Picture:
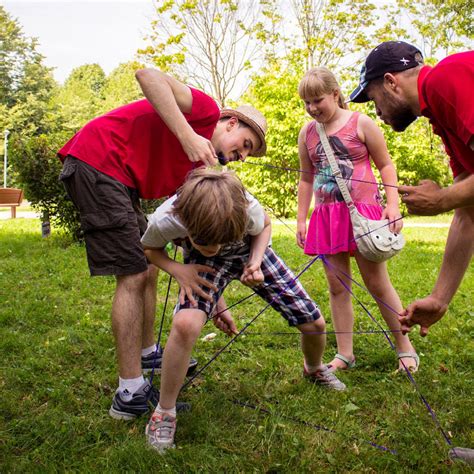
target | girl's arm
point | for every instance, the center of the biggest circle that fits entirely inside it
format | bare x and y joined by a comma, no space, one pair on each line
372,136
305,187
171,98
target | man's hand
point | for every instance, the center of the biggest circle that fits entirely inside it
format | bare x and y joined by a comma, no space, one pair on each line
424,312
252,274
198,149
187,275
301,234
426,199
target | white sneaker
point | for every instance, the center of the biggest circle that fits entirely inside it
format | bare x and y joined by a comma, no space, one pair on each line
160,431
325,377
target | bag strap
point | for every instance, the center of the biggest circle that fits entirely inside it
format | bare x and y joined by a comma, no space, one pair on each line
336,171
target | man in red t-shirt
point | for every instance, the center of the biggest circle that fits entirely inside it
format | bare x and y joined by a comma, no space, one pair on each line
402,88
145,150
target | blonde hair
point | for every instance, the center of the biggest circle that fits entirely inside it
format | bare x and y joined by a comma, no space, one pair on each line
318,81
212,205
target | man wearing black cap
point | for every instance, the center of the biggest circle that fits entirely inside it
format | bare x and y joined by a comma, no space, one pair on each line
402,88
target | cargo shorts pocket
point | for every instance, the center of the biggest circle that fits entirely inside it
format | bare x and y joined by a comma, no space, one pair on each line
103,221
68,170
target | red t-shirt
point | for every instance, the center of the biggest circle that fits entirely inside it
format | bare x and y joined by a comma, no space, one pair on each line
446,97
133,145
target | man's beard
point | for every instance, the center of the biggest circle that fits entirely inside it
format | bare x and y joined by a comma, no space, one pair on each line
222,159
398,114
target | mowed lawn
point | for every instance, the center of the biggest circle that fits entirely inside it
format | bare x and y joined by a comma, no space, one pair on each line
58,375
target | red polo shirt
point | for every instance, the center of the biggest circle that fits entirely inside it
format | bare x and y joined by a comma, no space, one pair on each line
133,145
446,95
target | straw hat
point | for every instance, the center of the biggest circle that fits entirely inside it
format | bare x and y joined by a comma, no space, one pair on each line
254,119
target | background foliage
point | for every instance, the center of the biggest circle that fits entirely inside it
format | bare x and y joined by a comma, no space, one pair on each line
240,52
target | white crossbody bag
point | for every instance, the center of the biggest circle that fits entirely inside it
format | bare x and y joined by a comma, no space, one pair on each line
374,239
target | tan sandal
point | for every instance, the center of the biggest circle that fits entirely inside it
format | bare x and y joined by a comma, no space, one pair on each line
350,364
409,355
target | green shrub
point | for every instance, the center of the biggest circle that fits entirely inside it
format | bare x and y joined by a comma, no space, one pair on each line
37,170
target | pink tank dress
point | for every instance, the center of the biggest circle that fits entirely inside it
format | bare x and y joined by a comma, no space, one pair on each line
330,229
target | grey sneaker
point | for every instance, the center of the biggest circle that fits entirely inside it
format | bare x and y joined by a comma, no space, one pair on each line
139,404
160,431
325,377
153,361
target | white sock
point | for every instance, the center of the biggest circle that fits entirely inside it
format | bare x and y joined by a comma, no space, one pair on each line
169,411
311,369
149,350
128,387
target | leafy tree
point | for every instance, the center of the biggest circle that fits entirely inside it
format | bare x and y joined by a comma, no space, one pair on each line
82,96
121,87
26,85
437,27
331,31
22,73
211,43
38,170
275,93
440,27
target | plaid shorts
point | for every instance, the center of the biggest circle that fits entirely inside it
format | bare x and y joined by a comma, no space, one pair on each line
280,287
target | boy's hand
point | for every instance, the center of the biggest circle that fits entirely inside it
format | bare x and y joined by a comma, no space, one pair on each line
392,213
199,148
224,322
252,274
187,275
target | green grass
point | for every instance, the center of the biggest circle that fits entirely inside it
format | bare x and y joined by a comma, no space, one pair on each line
58,374
439,219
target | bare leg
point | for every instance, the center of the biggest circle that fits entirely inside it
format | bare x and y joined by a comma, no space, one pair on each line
186,327
127,322
341,307
313,344
148,338
377,281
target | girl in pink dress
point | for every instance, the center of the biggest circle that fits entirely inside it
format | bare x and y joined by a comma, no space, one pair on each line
355,138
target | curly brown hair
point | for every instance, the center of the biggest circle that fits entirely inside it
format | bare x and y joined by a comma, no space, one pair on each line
212,205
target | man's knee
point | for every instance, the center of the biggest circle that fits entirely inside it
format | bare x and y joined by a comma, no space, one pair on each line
134,282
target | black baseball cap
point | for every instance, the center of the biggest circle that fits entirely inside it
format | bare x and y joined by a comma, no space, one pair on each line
390,56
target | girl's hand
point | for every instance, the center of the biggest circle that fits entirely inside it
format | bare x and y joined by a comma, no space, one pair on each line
252,274
301,234
392,213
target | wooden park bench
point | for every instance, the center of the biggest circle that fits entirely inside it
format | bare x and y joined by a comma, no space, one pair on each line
12,198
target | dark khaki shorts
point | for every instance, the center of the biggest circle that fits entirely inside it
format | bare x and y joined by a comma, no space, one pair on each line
111,219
